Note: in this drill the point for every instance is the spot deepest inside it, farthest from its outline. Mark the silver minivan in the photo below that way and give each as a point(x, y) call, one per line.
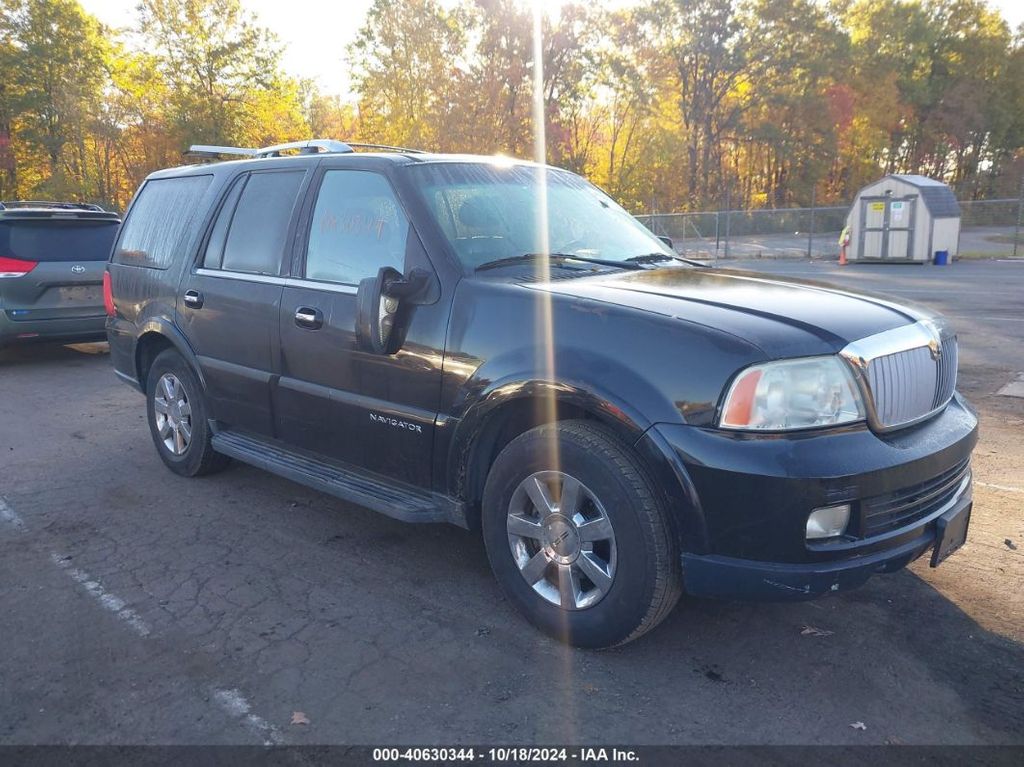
point(52, 259)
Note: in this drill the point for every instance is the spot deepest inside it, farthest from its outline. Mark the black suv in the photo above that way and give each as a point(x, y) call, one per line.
point(499, 345)
point(52, 259)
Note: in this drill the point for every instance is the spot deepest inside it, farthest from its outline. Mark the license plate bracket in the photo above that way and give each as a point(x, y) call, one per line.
point(950, 533)
point(80, 294)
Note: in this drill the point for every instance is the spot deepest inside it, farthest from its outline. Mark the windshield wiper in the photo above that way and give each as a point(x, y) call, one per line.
point(650, 258)
point(511, 260)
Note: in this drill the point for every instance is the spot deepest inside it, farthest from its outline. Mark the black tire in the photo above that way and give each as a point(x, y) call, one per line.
point(647, 578)
point(198, 457)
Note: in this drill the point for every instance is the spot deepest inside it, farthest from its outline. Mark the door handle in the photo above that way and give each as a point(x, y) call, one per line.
point(194, 299)
point(309, 318)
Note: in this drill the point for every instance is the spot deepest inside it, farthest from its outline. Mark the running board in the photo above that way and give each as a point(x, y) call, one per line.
point(389, 497)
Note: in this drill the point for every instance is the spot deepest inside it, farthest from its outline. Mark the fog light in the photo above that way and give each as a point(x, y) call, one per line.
point(828, 522)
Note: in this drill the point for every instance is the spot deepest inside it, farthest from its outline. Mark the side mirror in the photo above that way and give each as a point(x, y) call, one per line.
point(381, 303)
point(394, 285)
point(667, 240)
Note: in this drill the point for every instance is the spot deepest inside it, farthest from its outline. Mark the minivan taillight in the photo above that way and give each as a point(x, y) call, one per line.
point(15, 267)
point(108, 296)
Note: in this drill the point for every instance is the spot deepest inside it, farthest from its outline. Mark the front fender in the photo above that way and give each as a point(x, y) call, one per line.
point(583, 376)
point(542, 401)
point(611, 410)
point(583, 381)
point(586, 384)
point(529, 402)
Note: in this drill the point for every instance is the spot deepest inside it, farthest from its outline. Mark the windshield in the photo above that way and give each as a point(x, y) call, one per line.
point(490, 212)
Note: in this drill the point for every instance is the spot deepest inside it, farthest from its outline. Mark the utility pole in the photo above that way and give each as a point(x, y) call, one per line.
point(1020, 216)
point(728, 205)
point(810, 232)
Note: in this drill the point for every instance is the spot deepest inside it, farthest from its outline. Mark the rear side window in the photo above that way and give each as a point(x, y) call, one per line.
point(258, 226)
point(55, 240)
point(163, 215)
point(215, 245)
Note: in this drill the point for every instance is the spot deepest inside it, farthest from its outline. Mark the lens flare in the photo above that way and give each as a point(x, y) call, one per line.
point(545, 334)
point(544, 320)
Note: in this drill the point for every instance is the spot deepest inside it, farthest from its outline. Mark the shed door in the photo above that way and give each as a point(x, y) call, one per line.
point(887, 226)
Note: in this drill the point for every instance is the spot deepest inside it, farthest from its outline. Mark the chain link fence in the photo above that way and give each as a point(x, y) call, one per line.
point(988, 228)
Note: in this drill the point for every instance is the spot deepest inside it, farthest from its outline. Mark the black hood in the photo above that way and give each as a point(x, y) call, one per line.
point(784, 318)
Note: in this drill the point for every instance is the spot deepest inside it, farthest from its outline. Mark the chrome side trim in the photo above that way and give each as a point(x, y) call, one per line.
point(263, 278)
point(330, 287)
point(291, 282)
point(860, 354)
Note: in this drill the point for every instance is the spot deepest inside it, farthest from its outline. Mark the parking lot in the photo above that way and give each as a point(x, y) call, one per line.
point(141, 607)
point(975, 242)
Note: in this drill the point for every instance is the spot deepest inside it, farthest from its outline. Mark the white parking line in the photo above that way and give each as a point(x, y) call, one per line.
point(231, 701)
point(984, 319)
point(235, 705)
point(1007, 488)
point(111, 602)
point(1014, 388)
point(937, 290)
point(7, 515)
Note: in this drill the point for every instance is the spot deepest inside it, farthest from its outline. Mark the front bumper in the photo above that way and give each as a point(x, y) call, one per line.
point(732, 578)
point(752, 496)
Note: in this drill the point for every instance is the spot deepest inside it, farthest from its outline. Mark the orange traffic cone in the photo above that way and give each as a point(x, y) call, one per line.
point(844, 240)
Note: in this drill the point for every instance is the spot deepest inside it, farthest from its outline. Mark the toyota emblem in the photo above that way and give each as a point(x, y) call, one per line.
point(78, 269)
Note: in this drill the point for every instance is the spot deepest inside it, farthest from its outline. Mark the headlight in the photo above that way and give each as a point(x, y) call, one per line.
point(792, 394)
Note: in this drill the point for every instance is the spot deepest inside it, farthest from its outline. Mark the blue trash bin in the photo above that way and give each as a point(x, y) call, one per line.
point(942, 258)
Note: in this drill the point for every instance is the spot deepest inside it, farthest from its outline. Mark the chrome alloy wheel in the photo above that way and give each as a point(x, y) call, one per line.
point(173, 414)
point(561, 540)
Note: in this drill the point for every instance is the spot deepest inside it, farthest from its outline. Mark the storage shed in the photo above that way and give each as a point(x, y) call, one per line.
point(903, 219)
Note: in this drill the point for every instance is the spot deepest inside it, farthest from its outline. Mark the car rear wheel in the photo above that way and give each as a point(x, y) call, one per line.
point(178, 417)
point(576, 537)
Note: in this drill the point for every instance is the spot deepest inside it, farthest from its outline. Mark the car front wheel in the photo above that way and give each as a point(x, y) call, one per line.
point(576, 537)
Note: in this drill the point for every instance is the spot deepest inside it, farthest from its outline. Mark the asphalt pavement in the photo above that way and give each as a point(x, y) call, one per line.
point(141, 607)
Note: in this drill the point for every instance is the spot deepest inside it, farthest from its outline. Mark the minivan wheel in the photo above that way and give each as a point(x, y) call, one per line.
point(178, 417)
point(576, 537)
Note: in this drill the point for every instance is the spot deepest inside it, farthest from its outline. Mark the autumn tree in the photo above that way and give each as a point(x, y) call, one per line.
point(669, 104)
point(223, 73)
point(405, 64)
point(328, 115)
point(779, 127)
point(52, 57)
point(8, 166)
point(708, 46)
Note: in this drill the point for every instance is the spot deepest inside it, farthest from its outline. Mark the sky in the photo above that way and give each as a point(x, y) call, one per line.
point(316, 33)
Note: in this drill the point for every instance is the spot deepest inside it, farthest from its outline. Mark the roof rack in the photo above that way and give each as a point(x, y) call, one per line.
point(209, 151)
point(8, 204)
point(309, 146)
point(387, 148)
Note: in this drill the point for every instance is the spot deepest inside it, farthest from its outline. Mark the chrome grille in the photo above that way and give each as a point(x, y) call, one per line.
point(903, 385)
point(905, 380)
point(947, 372)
